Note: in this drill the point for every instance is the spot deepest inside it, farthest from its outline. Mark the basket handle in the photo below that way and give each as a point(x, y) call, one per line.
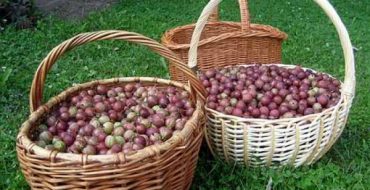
point(214, 17)
point(40, 75)
point(244, 15)
point(349, 80)
point(349, 85)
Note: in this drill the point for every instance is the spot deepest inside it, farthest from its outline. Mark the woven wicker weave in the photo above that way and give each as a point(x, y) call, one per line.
point(294, 141)
point(169, 165)
point(227, 43)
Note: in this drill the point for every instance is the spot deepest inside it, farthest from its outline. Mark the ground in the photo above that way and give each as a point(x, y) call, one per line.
point(76, 9)
point(312, 42)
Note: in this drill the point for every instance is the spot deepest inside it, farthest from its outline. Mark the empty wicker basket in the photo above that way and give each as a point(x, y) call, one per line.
point(293, 141)
point(169, 165)
point(227, 43)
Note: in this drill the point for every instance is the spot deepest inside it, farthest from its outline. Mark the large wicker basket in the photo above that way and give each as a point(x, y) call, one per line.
point(169, 165)
point(227, 43)
point(293, 141)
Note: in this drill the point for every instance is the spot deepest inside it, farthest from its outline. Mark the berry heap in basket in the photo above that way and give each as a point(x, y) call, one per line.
point(269, 91)
point(108, 120)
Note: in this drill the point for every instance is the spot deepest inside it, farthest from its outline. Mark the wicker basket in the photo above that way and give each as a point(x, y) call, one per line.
point(227, 43)
point(169, 165)
point(293, 141)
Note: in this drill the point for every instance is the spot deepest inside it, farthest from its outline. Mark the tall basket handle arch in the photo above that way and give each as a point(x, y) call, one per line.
point(348, 88)
point(244, 15)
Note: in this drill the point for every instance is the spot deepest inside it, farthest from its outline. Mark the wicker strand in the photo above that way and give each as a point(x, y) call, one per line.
point(224, 140)
point(244, 14)
point(296, 144)
point(245, 147)
point(272, 148)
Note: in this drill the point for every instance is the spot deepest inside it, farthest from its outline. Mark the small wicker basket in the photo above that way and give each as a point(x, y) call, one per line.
point(227, 43)
point(293, 141)
point(169, 165)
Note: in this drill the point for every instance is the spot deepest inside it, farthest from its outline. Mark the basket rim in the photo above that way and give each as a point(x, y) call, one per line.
point(149, 151)
point(343, 99)
point(256, 30)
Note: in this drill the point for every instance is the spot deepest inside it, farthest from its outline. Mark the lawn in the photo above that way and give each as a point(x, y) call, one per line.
point(312, 42)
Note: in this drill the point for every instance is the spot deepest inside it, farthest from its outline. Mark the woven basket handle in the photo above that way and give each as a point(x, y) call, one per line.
point(349, 80)
point(40, 75)
point(244, 15)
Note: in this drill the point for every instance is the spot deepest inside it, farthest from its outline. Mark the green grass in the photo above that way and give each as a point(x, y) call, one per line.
point(312, 43)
